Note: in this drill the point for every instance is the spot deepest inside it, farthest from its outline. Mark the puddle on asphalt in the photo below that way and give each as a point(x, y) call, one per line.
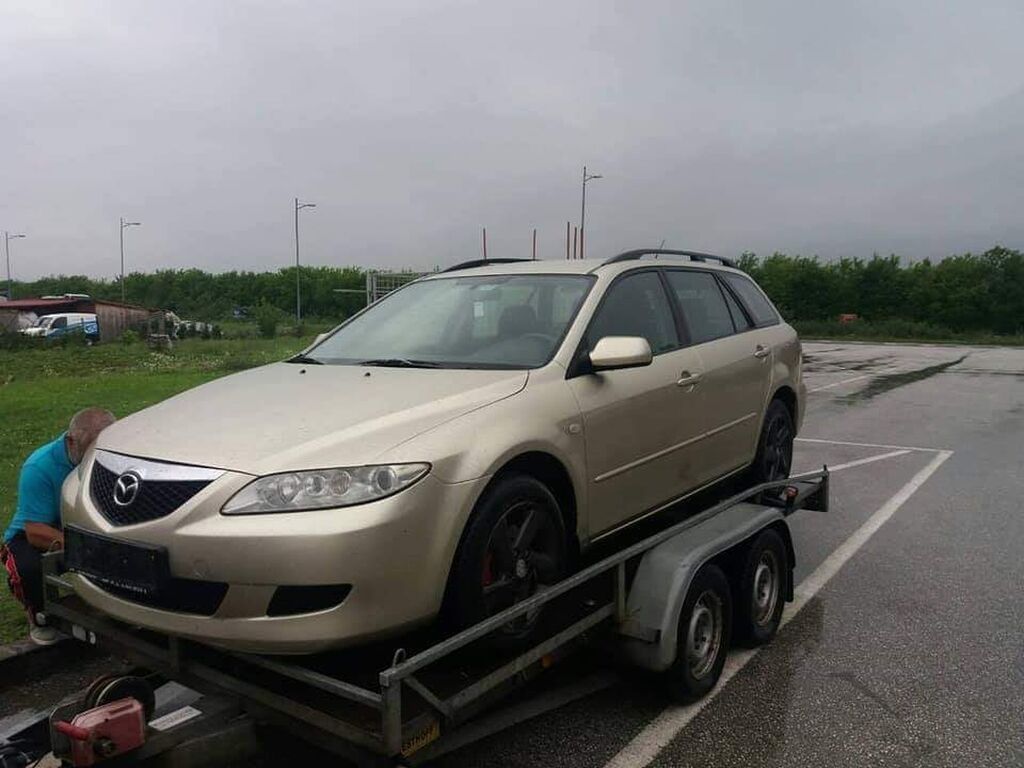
point(887, 382)
point(815, 364)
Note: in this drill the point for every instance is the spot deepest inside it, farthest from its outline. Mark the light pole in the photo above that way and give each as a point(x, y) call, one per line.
point(298, 283)
point(125, 225)
point(583, 206)
point(7, 249)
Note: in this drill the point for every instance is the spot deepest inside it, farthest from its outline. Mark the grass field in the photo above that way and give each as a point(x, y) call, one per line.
point(41, 388)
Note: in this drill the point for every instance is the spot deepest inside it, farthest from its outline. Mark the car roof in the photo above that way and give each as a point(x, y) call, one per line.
point(576, 267)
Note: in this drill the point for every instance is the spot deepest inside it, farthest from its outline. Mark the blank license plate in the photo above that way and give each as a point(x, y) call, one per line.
point(131, 566)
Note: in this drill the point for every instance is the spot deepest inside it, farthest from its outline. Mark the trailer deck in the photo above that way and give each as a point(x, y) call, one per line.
point(375, 706)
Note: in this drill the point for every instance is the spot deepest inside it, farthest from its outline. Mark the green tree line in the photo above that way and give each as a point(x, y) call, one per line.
point(967, 293)
point(964, 293)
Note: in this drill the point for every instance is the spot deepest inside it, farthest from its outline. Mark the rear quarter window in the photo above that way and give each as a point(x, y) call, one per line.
point(757, 305)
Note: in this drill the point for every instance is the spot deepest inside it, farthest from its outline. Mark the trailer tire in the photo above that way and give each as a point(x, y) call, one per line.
point(704, 631)
point(762, 590)
point(495, 569)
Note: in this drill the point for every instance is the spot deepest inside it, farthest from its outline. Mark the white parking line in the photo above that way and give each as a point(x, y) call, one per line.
point(840, 383)
point(868, 460)
point(660, 732)
point(866, 445)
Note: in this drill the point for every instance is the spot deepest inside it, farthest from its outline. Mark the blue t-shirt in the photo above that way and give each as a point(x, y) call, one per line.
point(42, 475)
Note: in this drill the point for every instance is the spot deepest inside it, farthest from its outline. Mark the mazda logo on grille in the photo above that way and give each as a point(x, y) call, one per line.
point(126, 488)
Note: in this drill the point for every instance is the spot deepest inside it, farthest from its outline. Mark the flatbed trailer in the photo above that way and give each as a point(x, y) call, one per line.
point(665, 604)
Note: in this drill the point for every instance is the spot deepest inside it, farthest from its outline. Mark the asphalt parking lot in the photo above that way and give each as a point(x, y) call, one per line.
point(906, 644)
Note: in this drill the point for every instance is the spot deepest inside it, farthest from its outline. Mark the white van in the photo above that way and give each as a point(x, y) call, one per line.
point(62, 323)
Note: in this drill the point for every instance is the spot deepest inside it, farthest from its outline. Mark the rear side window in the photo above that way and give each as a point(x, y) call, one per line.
point(760, 309)
point(636, 306)
point(704, 308)
point(739, 317)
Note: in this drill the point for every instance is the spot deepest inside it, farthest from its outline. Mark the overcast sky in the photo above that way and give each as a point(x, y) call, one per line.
point(807, 127)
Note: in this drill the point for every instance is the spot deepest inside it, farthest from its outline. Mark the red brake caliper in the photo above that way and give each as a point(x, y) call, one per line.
point(488, 575)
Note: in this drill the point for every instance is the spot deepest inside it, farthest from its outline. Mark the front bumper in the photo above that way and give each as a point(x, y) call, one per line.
point(394, 553)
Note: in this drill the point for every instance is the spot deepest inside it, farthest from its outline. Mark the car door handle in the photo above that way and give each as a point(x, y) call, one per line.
point(687, 379)
point(761, 352)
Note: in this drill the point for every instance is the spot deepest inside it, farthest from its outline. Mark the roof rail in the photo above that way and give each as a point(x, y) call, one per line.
point(692, 255)
point(481, 263)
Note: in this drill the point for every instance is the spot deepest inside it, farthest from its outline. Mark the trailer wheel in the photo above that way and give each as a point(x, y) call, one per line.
point(705, 626)
point(762, 590)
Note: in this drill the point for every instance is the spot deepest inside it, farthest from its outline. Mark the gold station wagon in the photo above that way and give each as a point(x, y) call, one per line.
point(448, 451)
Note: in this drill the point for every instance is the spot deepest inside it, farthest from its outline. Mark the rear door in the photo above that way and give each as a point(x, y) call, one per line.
point(641, 425)
point(736, 369)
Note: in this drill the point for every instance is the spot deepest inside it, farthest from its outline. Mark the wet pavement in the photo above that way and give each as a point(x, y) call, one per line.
point(909, 651)
point(913, 653)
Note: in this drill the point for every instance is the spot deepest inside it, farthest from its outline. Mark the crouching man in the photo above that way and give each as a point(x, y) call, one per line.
point(36, 526)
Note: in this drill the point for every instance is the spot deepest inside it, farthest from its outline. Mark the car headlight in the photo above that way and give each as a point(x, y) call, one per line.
point(323, 488)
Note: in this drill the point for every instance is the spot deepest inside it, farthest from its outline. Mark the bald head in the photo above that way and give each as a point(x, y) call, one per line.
point(83, 430)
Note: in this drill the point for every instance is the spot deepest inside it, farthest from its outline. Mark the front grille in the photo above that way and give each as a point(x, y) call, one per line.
point(202, 598)
point(155, 498)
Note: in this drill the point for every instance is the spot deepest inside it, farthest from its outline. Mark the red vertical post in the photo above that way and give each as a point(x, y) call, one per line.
point(567, 241)
point(575, 230)
point(534, 243)
point(485, 243)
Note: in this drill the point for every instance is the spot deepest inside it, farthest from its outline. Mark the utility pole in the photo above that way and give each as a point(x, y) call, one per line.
point(583, 205)
point(534, 243)
point(124, 225)
point(7, 248)
point(485, 243)
point(298, 282)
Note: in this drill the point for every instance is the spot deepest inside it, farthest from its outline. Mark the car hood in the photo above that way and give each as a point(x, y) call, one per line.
point(287, 416)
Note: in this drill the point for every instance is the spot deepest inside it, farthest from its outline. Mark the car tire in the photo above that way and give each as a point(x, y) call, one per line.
point(762, 590)
point(703, 635)
point(514, 545)
point(774, 458)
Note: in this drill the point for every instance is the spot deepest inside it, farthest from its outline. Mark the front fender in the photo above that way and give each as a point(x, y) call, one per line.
point(542, 417)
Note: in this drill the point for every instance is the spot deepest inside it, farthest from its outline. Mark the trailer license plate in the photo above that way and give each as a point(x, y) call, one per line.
point(130, 566)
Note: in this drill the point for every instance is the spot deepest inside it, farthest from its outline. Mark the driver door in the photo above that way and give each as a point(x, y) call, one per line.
point(640, 425)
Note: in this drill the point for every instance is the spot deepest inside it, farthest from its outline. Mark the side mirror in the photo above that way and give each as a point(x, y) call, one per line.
point(319, 337)
point(614, 352)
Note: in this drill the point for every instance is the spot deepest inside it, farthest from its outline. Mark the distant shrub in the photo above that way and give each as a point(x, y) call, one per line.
point(14, 340)
point(129, 337)
point(267, 318)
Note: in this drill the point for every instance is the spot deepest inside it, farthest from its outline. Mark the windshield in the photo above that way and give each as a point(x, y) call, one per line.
point(502, 321)
point(44, 322)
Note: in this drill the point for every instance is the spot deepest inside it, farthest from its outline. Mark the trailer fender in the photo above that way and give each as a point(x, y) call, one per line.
point(655, 598)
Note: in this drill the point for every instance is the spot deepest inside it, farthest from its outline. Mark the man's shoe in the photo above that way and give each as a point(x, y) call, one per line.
point(44, 635)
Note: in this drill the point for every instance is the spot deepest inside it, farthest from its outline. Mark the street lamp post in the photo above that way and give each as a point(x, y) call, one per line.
point(583, 206)
point(298, 283)
point(7, 249)
point(125, 225)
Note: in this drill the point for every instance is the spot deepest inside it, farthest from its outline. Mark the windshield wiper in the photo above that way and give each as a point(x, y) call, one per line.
point(304, 359)
point(400, 362)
